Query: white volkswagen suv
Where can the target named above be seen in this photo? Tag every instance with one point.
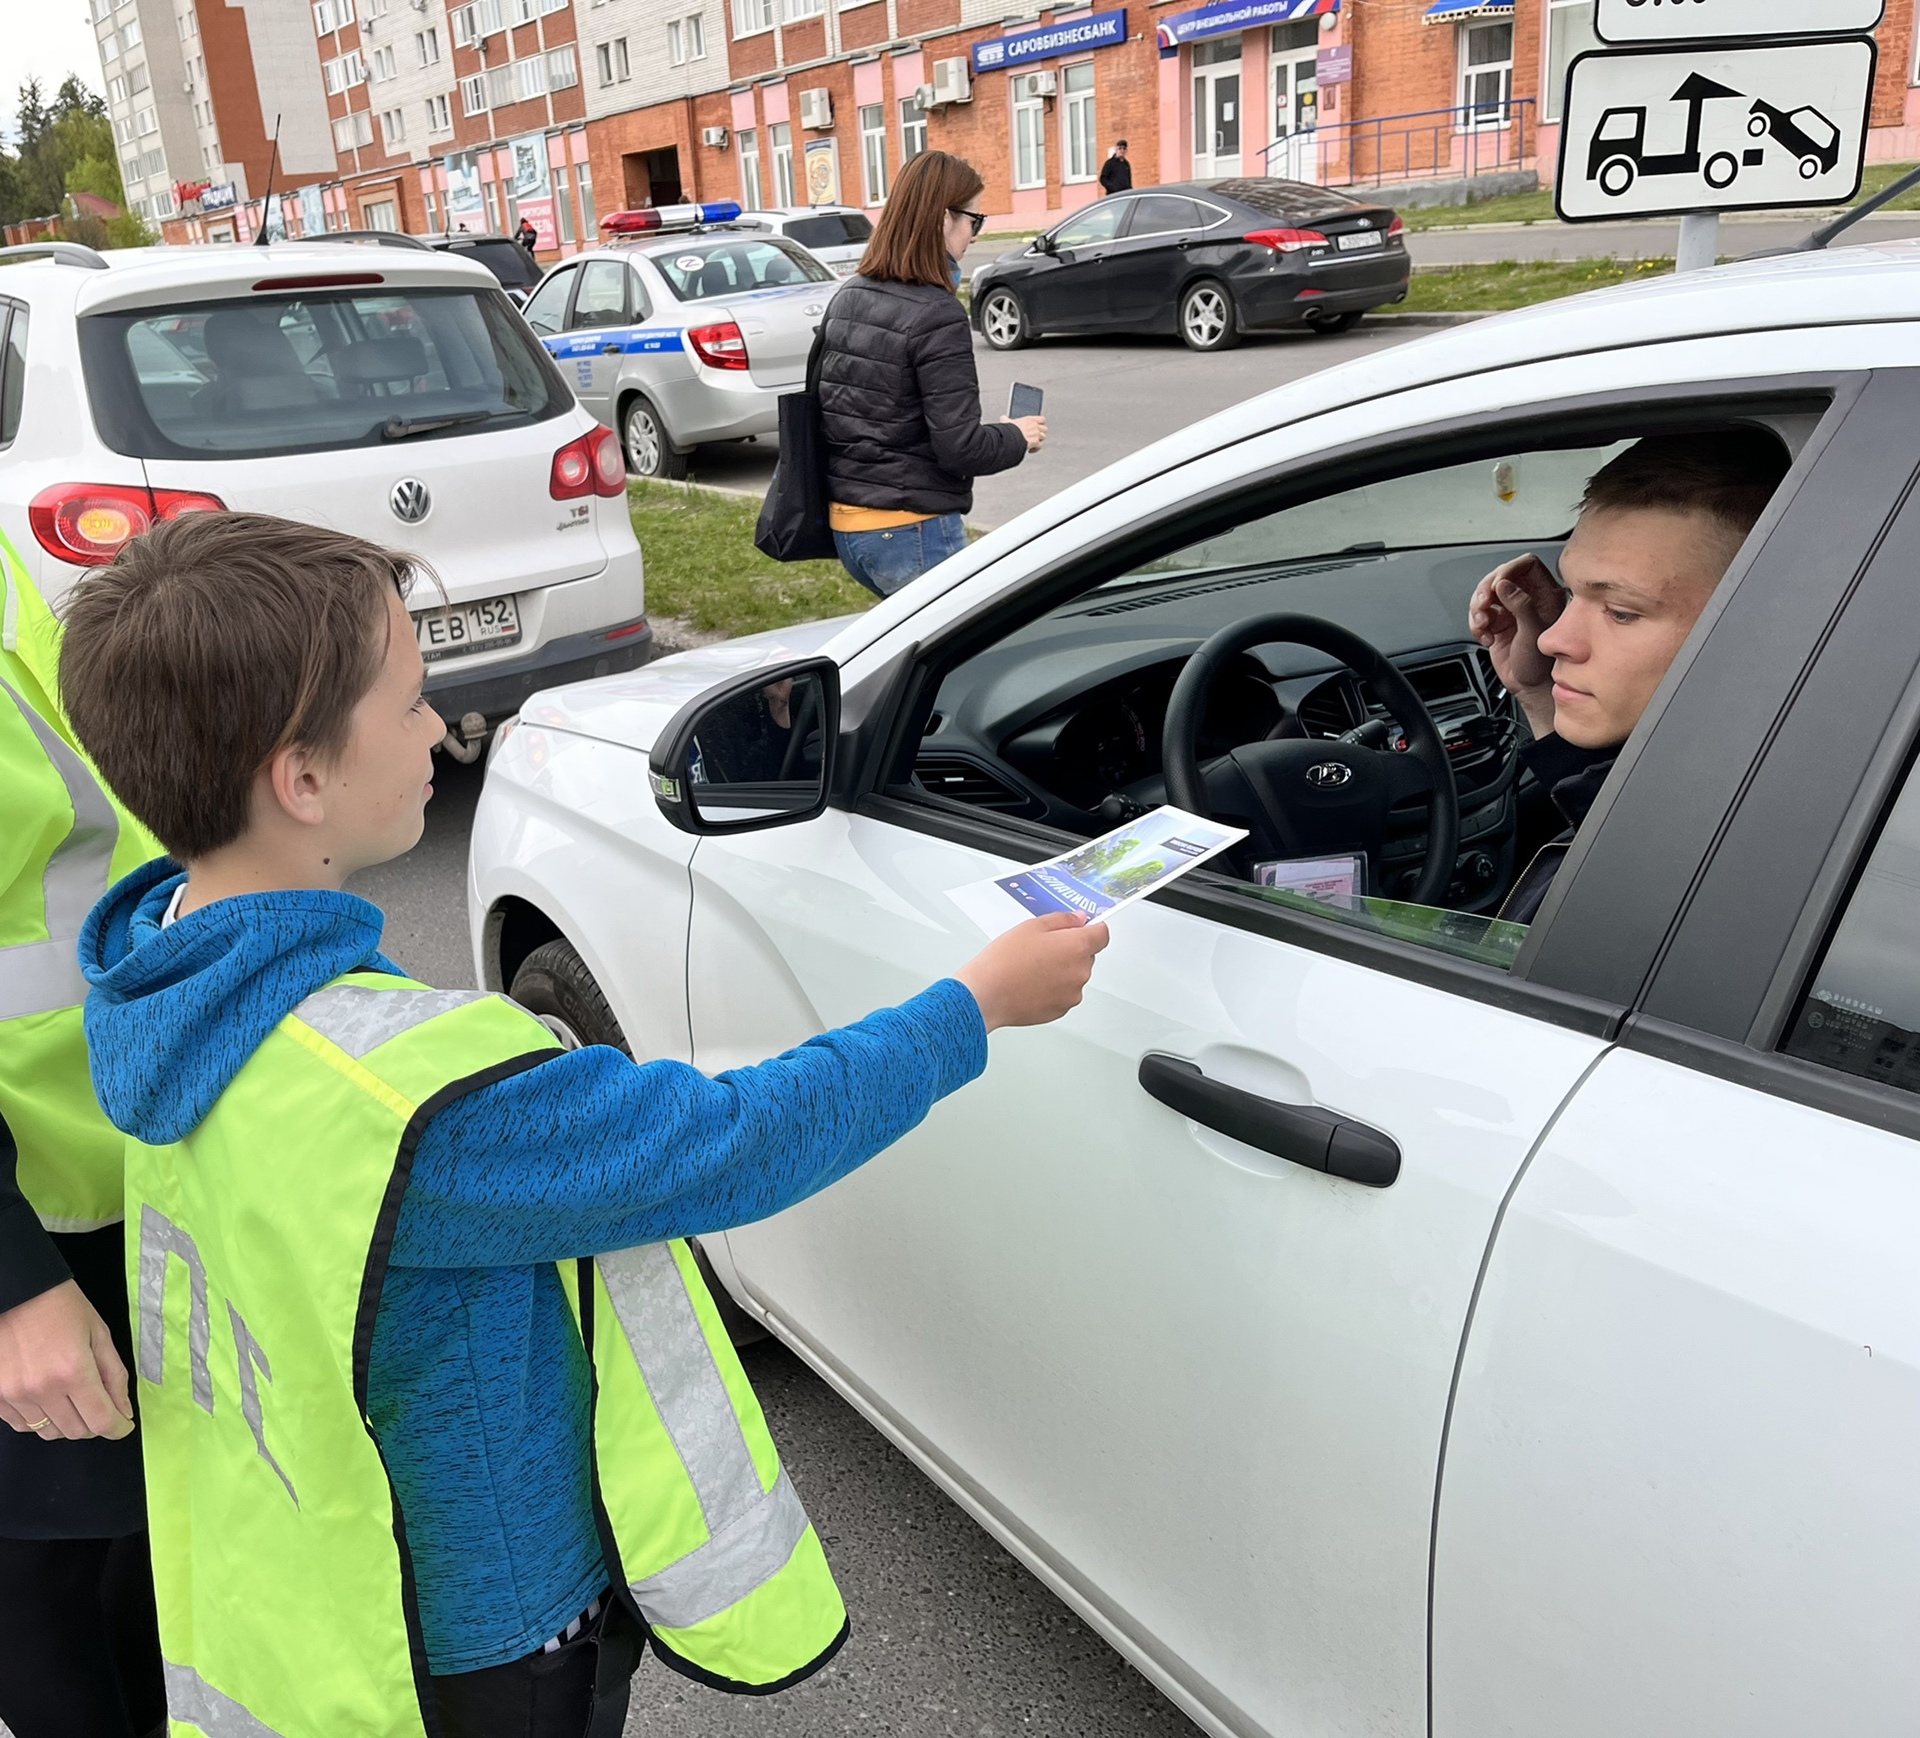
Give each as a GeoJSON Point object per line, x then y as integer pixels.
{"type": "Point", "coordinates": [390, 392]}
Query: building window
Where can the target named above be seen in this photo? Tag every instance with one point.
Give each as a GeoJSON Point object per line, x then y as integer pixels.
{"type": "Point", "coordinates": [394, 124]}
{"type": "Point", "coordinates": [331, 15]}
{"type": "Point", "coordinates": [873, 151]}
{"type": "Point", "coordinates": [343, 72]}
{"type": "Point", "coordinates": [792, 11]}
{"type": "Point", "coordinates": [587, 216]}
{"type": "Point", "coordinates": [352, 131]}
{"type": "Point", "coordinates": [383, 65]}
{"type": "Point", "coordinates": [117, 89]}
{"type": "Point", "coordinates": [1569, 32]}
{"type": "Point", "coordinates": [563, 71]}
{"type": "Point", "coordinates": [1486, 75]}
{"type": "Point", "coordinates": [782, 136]}
{"type": "Point", "coordinates": [1030, 142]}
{"type": "Point", "coordinates": [615, 68]}
{"type": "Point", "coordinates": [748, 146]}
{"type": "Point", "coordinates": [439, 115]}
{"type": "Point", "coordinates": [144, 123]}
{"type": "Point", "coordinates": [676, 50]}
{"type": "Point", "coordinates": [1077, 124]}
{"type": "Point", "coordinates": [913, 129]}
{"type": "Point", "coordinates": [427, 44]}
{"type": "Point", "coordinates": [696, 36]}
{"type": "Point", "coordinates": [130, 34]}
{"type": "Point", "coordinates": [473, 95]}
{"type": "Point", "coordinates": [383, 214]}
{"type": "Point", "coordinates": [750, 17]}
{"type": "Point", "coordinates": [530, 77]}
{"type": "Point", "coordinates": [562, 205]}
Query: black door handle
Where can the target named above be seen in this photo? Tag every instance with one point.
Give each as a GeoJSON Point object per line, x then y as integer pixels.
{"type": "Point", "coordinates": [609, 349]}
{"type": "Point", "coordinates": [1301, 1133]}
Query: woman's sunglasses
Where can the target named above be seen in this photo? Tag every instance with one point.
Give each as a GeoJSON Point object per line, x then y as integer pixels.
{"type": "Point", "coordinates": [974, 218]}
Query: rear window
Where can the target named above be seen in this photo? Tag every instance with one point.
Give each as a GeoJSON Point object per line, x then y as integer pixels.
{"type": "Point", "coordinates": [313, 373]}
{"type": "Point", "coordinates": [507, 260]}
{"type": "Point", "coordinates": [1290, 201]}
{"type": "Point", "coordinates": [831, 229]}
{"type": "Point", "coordinates": [701, 269]}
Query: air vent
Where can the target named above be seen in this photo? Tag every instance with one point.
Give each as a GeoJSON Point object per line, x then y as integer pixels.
{"type": "Point", "coordinates": [1436, 683]}
{"type": "Point", "coordinates": [966, 781]}
{"type": "Point", "coordinates": [1328, 710]}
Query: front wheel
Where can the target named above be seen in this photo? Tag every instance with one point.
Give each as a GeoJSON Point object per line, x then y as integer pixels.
{"type": "Point", "coordinates": [1206, 317]}
{"type": "Point", "coordinates": [649, 452]}
{"type": "Point", "coordinates": [1003, 322]}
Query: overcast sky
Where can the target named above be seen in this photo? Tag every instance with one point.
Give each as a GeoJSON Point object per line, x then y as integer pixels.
{"type": "Point", "coordinates": [43, 39]}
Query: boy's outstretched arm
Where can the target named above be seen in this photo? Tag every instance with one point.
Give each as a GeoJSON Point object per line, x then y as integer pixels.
{"type": "Point", "coordinates": [590, 1152]}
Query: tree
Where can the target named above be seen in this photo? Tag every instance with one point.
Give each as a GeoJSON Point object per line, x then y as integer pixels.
{"type": "Point", "coordinates": [66, 146]}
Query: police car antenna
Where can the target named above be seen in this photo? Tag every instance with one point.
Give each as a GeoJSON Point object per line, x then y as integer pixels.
{"type": "Point", "coordinates": [1852, 215]}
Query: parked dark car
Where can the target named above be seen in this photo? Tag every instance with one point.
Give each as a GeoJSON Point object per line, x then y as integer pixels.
{"type": "Point", "coordinates": [1211, 260]}
{"type": "Point", "coordinates": [517, 270]}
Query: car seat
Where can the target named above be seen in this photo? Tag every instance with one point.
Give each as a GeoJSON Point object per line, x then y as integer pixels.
{"type": "Point", "coordinates": [259, 367]}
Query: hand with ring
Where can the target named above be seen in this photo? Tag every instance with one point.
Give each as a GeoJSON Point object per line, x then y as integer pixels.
{"type": "Point", "coordinates": [60, 1377]}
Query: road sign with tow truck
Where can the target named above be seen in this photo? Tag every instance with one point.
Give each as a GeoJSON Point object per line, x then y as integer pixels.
{"type": "Point", "coordinates": [1714, 127]}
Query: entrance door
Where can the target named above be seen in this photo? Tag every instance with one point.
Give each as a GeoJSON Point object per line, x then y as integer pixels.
{"type": "Point", "coordinates": [1296, 119]}
{"type": "Point", "coordinates": [1216, 108]}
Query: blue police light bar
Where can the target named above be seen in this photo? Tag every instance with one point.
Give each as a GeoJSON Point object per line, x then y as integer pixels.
{"type": "Point", "coordinates": [657, 219]}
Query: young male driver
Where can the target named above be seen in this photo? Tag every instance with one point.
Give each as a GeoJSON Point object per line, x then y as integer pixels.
{"type": "Point", "coordinates": [1658, 528]}
{"type": "Point", "coordinates": [432, 1406]}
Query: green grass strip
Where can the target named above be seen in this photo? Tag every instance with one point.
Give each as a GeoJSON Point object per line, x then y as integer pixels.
{"type": "Point", "coordinates": [1520, 283]}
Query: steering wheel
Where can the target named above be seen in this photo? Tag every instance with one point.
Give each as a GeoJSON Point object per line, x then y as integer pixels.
{"type": "Point", "coordinates": [1313, 798]}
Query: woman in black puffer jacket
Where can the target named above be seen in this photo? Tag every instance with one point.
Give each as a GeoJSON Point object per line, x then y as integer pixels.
{"type": "Point", "coordinates": [899, 399]}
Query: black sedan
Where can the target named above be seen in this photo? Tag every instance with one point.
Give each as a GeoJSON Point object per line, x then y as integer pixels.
{"type": "Point", "coordinates": [1210, 260]}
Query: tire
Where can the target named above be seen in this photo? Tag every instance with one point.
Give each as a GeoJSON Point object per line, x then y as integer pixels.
{"type": "Point", "coordinates": [1616, 176]}
{"type": "Point", "coordinates": [1720, 170]}
{"type": "Point", "coordinates": [555, 987]}
{"type": "Point", "coordinates": [1326, 325]}
{"type": "Point", "coordinates": [643, 436]}
{"type": "Point", "coordinates": [1207, 319]}
{"type": "Point", "coordinates": [1003, 321]}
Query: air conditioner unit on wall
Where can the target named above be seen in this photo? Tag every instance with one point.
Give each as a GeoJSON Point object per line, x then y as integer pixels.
{"type": "Point", "coordinates": [923, 95]}
{"type": "Point", "coordinates": [714, 136]}
{"type": "Point", "coordinates": [1028, 85]}
{"type": "Point", "coordinates": [950, 81]}
{"type": "Point", "coordinates": [816, 110]}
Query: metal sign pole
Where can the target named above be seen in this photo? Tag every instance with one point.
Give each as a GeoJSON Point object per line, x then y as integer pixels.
{"type": "Point", "coordinates": [1699, 242]}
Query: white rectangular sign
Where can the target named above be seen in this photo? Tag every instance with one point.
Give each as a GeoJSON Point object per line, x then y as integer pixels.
{"type": "Point", "coordinates": [1698, 20]}
{"type": "Point", "coordinates": [1664, 131]}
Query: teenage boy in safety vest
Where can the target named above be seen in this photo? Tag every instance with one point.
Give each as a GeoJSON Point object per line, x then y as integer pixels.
{"type": "Point", "coordinates": [407, 1447]}
{"type": "Point", "coordinates": [78, 1658]}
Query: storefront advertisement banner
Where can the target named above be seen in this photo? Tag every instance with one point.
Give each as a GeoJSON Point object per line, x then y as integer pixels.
{"type": "Point", "coordinates": [219, 197]}
{"type": "Point", "coordinates": [1045, 41]}
{"type": "Point", "coordinates": [1231, 15]}
{"type": "Point", "coordinates": [539, 213]}
{"type": "Point", "coordinates": [823, 172]}
{"type": "Point", "coordinates": [465, 209]}
{"type": "Point", "coordinates": [313, 212]}
{"type": "Point", "coordinates": [529, 167]}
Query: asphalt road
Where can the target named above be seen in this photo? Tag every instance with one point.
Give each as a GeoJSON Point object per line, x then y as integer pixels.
{"type": "Point", "coordinates": [1106, 398]}
{"type": "Point", "coordinates": [1651, 238]}
{"type": "Point", "coordinates": [951, 1637]}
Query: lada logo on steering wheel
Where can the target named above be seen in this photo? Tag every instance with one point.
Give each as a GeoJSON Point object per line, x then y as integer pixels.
{"type": "Point", "coordinates": [1329, 775]}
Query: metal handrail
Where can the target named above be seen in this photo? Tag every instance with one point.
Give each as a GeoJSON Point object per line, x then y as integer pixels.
{"type": "Point", "coordinates": [1424, 144]}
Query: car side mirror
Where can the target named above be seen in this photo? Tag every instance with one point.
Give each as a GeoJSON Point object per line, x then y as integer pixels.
{"type": "Point", "coordinates": [1046, 244]}
{"type": "Point", "coordinates": [757, 751]}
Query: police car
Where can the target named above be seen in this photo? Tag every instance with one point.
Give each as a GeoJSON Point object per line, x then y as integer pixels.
{"type": "Point", "coordinates": [387, 390]}
{"type": "Point", "coordinates": [683, 329]}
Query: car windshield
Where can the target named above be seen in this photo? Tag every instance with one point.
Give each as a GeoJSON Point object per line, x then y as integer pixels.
{"type": "Point", "coordinates": [831, 229]}
{"type": "Point", "coordinates": [700, 269]}
{"type": "Point", "coordinates": [309, 373]}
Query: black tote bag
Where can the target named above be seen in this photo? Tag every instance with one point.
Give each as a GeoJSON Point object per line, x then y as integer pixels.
{"type": "Point", "coordinates": [793, 521]}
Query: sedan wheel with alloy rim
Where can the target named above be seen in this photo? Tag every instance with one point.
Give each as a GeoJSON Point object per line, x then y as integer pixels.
{"type": "Point", "coordinates": [1003, 322]}
{"type": "Point", "coordinates": [649, 454]}
{"type": "Point", "coordinates": [1206, 318]}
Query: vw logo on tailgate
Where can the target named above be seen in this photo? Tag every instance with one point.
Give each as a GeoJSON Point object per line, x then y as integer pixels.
{"type": "Point", "coordinates": [410, 500]}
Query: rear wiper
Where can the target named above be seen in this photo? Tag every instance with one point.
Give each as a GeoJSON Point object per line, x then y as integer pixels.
{"type": "Point", "coordinates": [399, 428]}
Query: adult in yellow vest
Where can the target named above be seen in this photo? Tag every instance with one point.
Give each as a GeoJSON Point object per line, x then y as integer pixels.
{"type": "Point", "coordinates": [78, 1652]}
{"type": "Point", "coordinates": [439, 1419]}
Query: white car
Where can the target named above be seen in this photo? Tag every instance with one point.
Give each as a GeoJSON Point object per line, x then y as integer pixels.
{"type": "Point", "coordinates": [388, 391]}
{"type": "Point", "coordinates": [835, 234]}
{"type": "Point", "coordinates": [1374, 1318]}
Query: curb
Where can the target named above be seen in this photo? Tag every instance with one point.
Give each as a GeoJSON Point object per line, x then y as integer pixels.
{"type": "Point", "coordinates": [1435, 319]}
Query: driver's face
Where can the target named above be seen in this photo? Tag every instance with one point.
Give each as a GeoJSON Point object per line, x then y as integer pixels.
{"type": "Point", "coordinates": [1637, 580]}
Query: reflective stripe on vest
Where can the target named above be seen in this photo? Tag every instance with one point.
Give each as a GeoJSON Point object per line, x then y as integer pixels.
{"type": "Point", "coordinates": [753, 1532]}
{"type": "Point", "coordinates": [38, 977]}
{"type": "Point", "coordinates": [190, 1698]}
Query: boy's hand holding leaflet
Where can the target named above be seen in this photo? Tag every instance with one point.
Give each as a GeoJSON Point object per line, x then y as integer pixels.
{"type": "Point", "coordinates": [1096, 879]}
{"type": "Point", "coordinates": [1036, 971]}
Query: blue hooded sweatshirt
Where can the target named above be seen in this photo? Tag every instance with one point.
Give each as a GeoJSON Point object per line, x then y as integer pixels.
{"type": "Point", "coordinates": [477, 1383]}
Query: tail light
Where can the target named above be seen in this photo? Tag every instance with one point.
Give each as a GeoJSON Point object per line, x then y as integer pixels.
{"type": "Point", "coordinates": [591, 465]}
{"type": "Point", "coordinates": [1287, 240]}
{"type": "Point", "coordinates": [1396, 227]}
{"type": "Point", "coordinates": [90, 523]}
{"type": "Point", "coordinates": [719, 346]}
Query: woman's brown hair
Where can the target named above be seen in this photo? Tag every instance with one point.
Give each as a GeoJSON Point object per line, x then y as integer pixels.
{"type": "Point", "coordinates": [909, 246]}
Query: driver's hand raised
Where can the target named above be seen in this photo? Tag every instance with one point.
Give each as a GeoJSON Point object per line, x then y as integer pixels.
{"type": "Point", "coordinates": [1510, 609]}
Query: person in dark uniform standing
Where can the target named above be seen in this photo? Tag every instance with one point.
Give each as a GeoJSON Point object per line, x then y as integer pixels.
{"type": "Point", "coordinates": [1116, 173]}
{"type": "Point", "coordinates": [527, 236]}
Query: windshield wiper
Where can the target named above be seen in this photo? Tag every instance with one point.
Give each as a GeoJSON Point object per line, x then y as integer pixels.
{"type": "Point", "coordinates": [398, 428]}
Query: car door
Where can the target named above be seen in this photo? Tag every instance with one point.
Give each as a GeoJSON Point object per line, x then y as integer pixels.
{"type": "Point", "coordinates": [597, 332]}
{"type": "Point", "coordinates": [1148, 260]}
{"type": "Point", "coordinates": [1678, 1492]}
{"type": "Point", "coordinates": [1067, 288]}
{"type": "Point", "coordinates": [1203, 1390]}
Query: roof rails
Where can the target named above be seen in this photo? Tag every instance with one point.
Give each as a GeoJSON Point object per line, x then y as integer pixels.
{"type": "Point", "coordinates": [64, 253]}
{"type": "Point", "coordinates": [379, 237]}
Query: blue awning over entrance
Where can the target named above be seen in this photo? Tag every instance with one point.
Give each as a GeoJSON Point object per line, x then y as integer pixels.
{"type": "Point", "coordinates": [1454, 11]}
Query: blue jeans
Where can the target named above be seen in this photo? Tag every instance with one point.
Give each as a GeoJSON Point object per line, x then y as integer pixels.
{"type": "Point", "coordinates": [884, 561]}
